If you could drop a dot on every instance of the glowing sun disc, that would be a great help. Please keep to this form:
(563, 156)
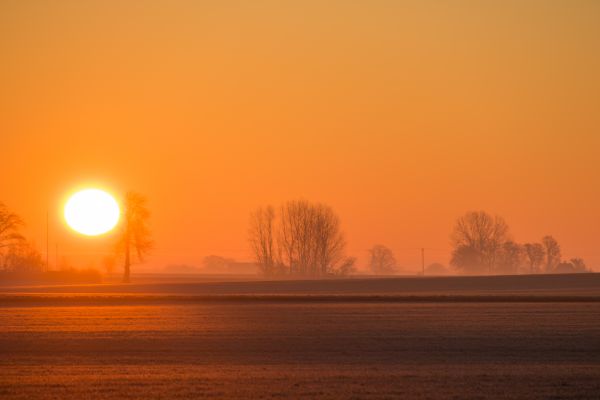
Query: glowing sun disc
(92, 212)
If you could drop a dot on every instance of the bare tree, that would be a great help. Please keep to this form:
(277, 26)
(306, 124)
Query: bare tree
(297, 237)
(135, 234)
(304, 239)
(309, 238)
(382, 260)
(579, 265)
(478, 234)
(553, 254)
(262, 238)
(22, 256)
(10, 223)
(10, 237)
(346, 267)
(511, 258)
(467, 260)
(288, 237)
(534, 254)
(328, 241)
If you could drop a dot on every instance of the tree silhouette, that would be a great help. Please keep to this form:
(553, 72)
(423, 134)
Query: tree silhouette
(22, 256)
(534, 254)
(575, 265)
(304, 239)
(382, 260)
(310, 239)
(10, 223)
(511, 258)
(467, 260)
(262, 238)
(553, 254)
(11, 240)
(578, 265)
(478, 238)
(135, 235)
(436, 269)
(482, 244)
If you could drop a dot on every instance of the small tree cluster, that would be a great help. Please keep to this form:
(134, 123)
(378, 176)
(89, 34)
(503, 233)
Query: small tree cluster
(21, 256)
(483, 245)
(302, 239)
(478, 239)
(16, 253)
(382, 260)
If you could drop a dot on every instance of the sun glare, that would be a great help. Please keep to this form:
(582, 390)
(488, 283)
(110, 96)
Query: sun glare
(92, 212)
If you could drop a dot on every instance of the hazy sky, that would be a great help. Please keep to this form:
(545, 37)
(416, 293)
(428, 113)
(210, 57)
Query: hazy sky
(402, 115)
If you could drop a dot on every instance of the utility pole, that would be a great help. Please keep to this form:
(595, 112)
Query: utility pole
(423, 260)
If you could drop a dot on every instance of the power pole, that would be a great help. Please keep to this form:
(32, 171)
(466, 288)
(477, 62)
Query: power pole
(423, 260)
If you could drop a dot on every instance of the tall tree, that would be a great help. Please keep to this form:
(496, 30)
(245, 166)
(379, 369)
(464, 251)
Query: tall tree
(328, 241)
(261, 236)
(135, 235)
(382, 260)
(553, 254)
(478, 235)
(534, 254)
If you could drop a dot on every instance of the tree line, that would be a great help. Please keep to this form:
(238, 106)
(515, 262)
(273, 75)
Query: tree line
(301, 238)
(482, 244)
(304, 239)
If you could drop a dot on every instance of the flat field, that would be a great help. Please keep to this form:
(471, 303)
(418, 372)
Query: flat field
(131, 342)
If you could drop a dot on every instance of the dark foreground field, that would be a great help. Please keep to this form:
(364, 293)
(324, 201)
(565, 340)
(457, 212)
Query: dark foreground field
(271, 349)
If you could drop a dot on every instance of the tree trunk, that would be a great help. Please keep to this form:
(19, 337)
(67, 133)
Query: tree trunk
(126, 272)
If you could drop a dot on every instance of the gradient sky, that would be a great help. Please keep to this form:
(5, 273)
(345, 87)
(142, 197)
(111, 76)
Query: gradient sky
(401, 115)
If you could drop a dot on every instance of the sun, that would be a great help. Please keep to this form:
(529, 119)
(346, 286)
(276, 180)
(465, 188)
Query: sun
(92, 212)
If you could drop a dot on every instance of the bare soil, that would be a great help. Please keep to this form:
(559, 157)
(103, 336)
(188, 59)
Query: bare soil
(340, 349)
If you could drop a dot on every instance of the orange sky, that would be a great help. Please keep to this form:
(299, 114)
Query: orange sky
(402, 115)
